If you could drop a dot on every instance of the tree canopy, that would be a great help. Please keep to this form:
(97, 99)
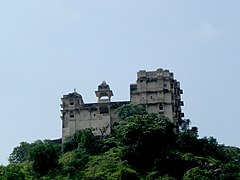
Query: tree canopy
(141, 146)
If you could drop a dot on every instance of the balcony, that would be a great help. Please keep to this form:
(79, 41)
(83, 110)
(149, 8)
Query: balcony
(181, 103)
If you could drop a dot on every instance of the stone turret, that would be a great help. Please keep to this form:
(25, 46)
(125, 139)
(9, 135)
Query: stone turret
(70, 112)
(104, 93)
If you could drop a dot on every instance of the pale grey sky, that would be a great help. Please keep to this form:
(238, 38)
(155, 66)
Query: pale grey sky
(50, 47)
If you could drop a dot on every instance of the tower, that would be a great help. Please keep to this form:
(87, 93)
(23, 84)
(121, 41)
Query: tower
(159, 92)
(70, 112)
(104, 94)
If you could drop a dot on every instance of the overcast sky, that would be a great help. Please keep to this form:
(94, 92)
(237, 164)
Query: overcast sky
(50, 47)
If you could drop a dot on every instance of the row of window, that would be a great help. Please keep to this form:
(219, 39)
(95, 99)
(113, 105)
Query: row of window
(102, 110)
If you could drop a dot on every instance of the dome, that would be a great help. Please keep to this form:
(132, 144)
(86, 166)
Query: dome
(103, 86)
(73, 95)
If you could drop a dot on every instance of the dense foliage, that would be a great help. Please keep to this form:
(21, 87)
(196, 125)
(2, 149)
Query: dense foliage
(141, 146)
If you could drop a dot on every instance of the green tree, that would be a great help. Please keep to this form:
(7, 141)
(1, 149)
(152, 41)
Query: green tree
(82, 139)
(141, 146)
(230, 153)
(196, 174)
(73, 161)
(129, 110)
(44, 157)
(107, 143)
(230, 170)
(20, 153)
(13, 172)
(2, 168)
(209, 146)
(156, 176)
(144, 138)
(109, 166)
(188, 141)
(141, 129)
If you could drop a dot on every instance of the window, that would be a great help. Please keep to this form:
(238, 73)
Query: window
(71, 103)
(72, 116)
(161, 107)
(103, 110)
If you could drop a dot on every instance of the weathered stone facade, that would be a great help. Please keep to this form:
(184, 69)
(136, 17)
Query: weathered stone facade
(157, 90)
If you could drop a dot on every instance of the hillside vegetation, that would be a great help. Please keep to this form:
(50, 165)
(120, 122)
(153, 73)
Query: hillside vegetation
(141, 146)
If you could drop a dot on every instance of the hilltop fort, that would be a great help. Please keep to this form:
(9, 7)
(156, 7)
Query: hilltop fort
(157, 91)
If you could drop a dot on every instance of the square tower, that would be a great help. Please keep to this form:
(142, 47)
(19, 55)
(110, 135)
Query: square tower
(159, 92)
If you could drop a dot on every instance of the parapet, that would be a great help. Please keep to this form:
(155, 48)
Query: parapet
(160, 73)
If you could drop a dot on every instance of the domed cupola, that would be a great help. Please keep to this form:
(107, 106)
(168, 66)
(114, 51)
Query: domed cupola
(104, 93)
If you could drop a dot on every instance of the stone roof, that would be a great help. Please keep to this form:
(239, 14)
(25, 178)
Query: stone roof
(72, 95)
(103, 86)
